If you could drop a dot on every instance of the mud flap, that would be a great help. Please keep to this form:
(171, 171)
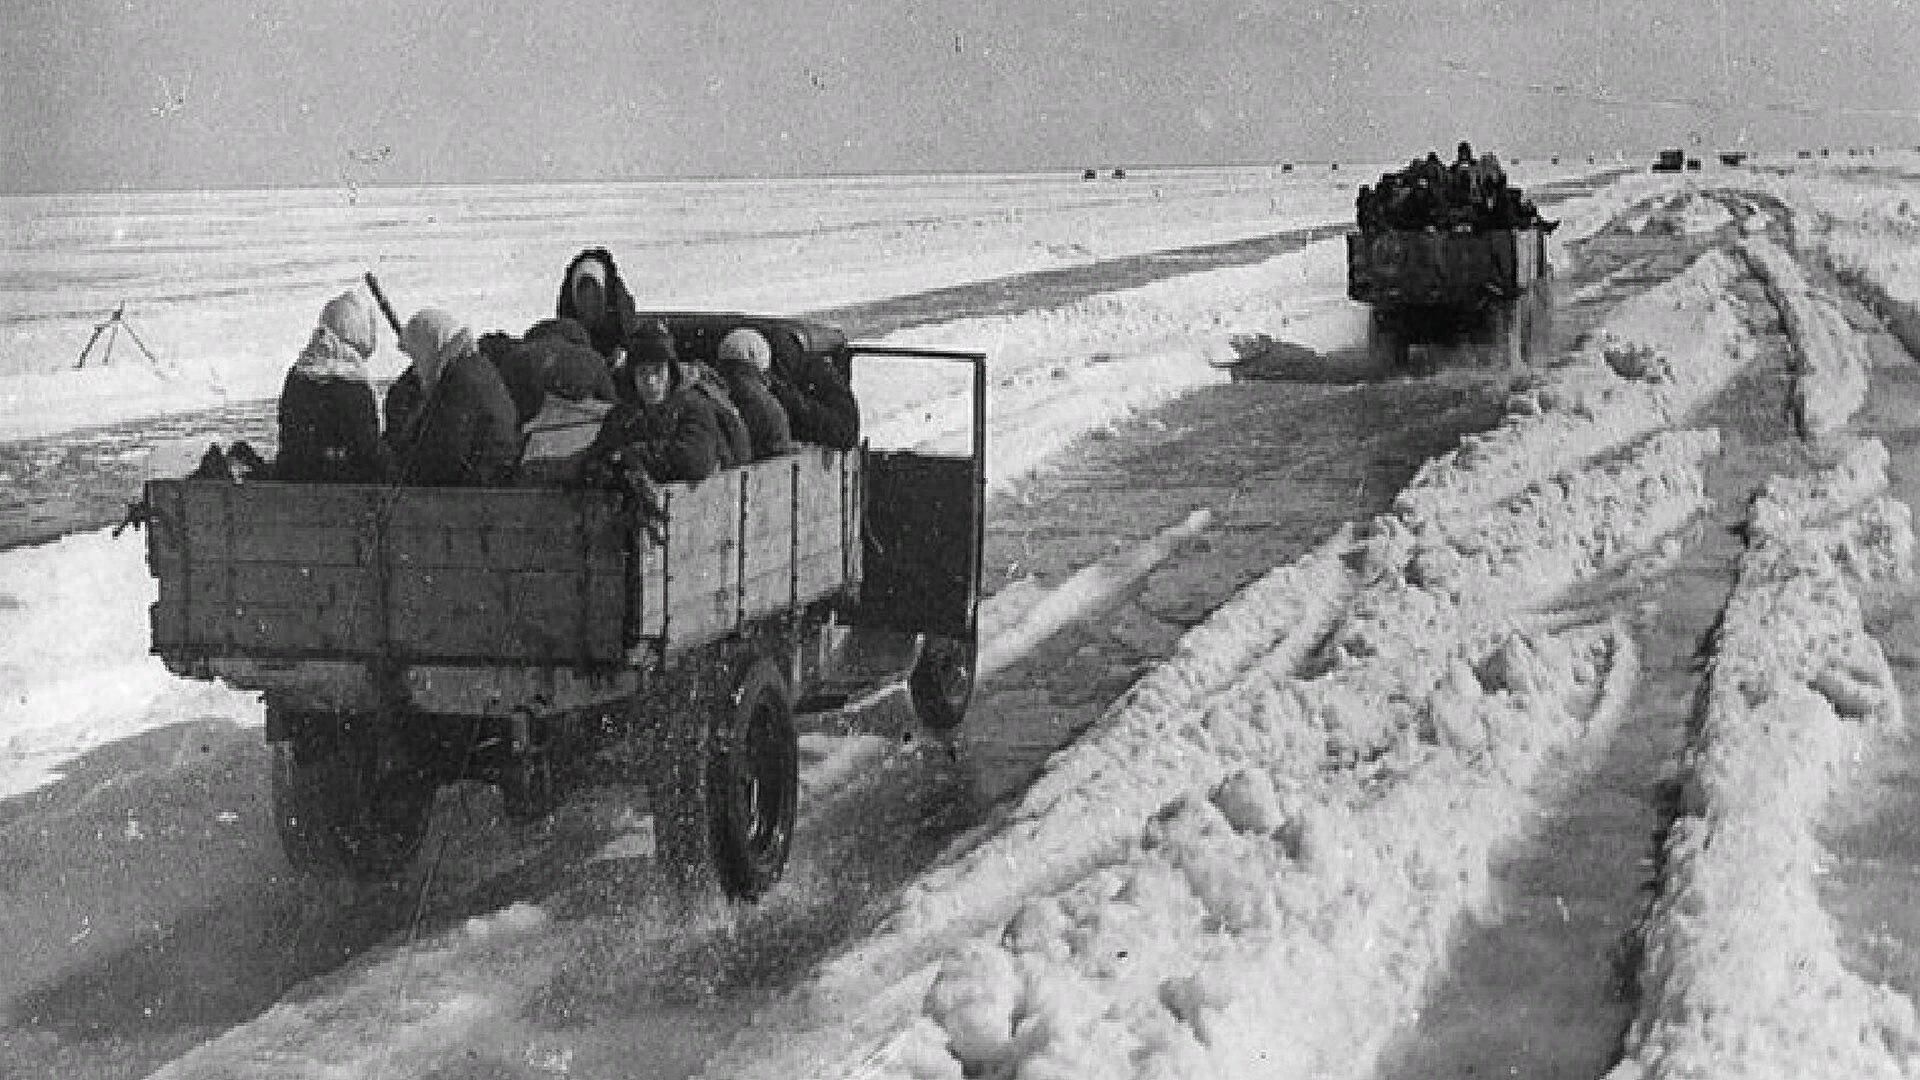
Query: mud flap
(925, 524)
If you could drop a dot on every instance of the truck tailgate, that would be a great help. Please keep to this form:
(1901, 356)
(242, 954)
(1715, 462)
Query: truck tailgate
(1403, 266)
(491, 577)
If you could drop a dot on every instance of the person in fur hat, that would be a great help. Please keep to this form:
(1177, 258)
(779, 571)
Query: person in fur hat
(329, 429)
(593, 294)
(465, 431)
(743, 360)
(661, 426)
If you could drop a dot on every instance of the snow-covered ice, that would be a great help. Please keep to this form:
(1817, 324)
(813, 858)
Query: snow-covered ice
(1247, 868)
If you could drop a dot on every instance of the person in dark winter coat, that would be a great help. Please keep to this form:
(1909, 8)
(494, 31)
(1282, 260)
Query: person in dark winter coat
(593, 294)
(574, 369)
(743, 360)
(329, 429)
(736, 446)
(464, 432)
(548, 360)
(661, 426)
(820, 406)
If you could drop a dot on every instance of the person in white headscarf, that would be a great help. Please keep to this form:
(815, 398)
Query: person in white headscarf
(465, 430)
(743, 360)
(593, 294)
(329, 429)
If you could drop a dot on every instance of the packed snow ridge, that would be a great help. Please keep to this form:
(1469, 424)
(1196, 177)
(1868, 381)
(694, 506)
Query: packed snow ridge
(1236, 815)
(1740, 980)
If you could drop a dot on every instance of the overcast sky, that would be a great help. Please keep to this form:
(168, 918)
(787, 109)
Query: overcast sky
(102, 94)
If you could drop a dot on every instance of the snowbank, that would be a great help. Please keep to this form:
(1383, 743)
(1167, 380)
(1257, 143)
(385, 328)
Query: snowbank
(1656, 357)
(1741, 974)
(73, 655)
(1832, 359)
(1129, 916)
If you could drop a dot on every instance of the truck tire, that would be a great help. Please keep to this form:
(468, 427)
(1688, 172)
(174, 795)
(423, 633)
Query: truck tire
(338, 812)
(752, 782)
(941, 683)
(1386, 340)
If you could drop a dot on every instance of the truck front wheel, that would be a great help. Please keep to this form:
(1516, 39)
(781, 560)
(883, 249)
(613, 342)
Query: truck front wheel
(340, 809)
(1387, 344)
(941, 683)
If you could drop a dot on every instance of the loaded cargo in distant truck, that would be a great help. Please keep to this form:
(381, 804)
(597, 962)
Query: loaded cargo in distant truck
(544, 639)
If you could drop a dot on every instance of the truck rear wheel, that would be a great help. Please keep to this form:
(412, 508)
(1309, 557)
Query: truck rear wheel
(339, 809)
(753, 782)
(730, 800)
(941, 683)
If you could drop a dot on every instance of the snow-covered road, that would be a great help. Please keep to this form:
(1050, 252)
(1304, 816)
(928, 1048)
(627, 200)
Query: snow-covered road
(1298, 761)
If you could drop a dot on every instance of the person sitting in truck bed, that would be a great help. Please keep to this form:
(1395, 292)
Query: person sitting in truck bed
(329, 427)
(820, 406)
(735, 445)
(661, 426)
(459, 427)
(743, 359)
(593, 294)
(553, 358)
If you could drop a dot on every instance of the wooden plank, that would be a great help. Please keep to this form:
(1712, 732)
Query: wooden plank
(505, 508)
(282, 584)
(563, 546)
(340, 628)
(294, 505)
(647, 609)
(820, 575)
(220, 539)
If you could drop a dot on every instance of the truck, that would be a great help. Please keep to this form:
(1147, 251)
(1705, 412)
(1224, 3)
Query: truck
(1429, 286)
(1669, 161)
(545, 639)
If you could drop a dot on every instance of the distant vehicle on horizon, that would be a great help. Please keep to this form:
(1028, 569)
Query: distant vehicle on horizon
(1733, 157)
(1090, 174)
(1670, 161)
(1119, 174)
(1693, 164)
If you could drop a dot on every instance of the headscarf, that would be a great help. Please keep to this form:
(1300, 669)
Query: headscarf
(746, 345)
(342, 339)
(434, 338)
(352, 319)
(609, 327)
(589, 270)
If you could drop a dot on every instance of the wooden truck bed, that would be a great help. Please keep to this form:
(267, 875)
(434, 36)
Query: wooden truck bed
(255, 578)
(1443, 269)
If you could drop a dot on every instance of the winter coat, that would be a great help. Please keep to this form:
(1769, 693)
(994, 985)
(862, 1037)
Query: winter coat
(329, 430)
(520, 369)
(573, 369)
(468, 432)
(548, 364)
(464, 430)
(607, 328)
(676, 440)
(766, 420)
(820, 406)
(736, 445)
(401, 407)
